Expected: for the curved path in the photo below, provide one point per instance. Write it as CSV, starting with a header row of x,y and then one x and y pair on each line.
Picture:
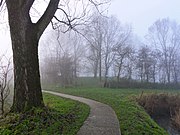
x,y
102,119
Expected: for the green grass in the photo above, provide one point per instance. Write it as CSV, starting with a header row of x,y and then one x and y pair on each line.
x,y
60,117
133,118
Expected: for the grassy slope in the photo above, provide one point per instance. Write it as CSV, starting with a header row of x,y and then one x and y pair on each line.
x,y
62,116
133,119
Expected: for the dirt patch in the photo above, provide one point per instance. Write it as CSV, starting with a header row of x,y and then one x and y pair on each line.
x,y
163,108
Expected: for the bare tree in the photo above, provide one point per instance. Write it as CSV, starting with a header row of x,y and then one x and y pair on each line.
x,y
165,35
176,69
93,59
95,35
123,48
63,46
130,64
25,35
104,37
50,70
110,39
4,81
146,64
66,70
78,51
72,51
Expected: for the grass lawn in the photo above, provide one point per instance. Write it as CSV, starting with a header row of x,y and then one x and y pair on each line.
x,y
133,118
60,117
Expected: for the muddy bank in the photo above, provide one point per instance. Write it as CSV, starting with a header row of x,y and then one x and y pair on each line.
x,y
164,109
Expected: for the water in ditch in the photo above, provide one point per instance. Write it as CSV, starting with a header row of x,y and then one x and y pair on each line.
x,y
165,122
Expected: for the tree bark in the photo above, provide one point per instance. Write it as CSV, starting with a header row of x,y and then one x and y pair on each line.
x,y
27,87
2,103
25,36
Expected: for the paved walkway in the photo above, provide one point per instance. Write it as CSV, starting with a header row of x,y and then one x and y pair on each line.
x,y
102,119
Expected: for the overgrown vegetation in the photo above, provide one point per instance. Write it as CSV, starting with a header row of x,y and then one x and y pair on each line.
x,y
162,105
133,118
60,116
176,119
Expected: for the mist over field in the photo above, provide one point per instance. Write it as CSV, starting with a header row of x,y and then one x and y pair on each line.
x,y
62,62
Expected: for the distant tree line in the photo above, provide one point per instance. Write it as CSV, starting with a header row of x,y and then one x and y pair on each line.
x,y
111,52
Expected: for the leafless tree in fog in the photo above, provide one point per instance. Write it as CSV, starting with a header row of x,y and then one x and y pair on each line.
x,y
145,64
66,70
110,39
123,48
95,35
63,46
165,35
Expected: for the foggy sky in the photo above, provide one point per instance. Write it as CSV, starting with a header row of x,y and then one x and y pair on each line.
x,y
139,13
143,13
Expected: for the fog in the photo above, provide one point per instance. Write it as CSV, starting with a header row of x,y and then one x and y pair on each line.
x,y
139,13
87,48
142,13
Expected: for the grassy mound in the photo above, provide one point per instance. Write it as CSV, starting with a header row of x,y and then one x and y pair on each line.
x,y
132,117
61,116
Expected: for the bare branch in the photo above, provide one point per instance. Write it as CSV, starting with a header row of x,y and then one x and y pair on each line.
x,y
46,17
1,2
29,4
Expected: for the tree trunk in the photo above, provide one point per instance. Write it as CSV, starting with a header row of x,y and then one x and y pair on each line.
x,y
118,75
119,69
95,68
2,103
169,74
2,107
106,77
27,87
147,77
26,75
154,74
100,57
100,70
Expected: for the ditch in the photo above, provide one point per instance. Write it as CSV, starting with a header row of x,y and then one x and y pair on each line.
x,y
164,109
